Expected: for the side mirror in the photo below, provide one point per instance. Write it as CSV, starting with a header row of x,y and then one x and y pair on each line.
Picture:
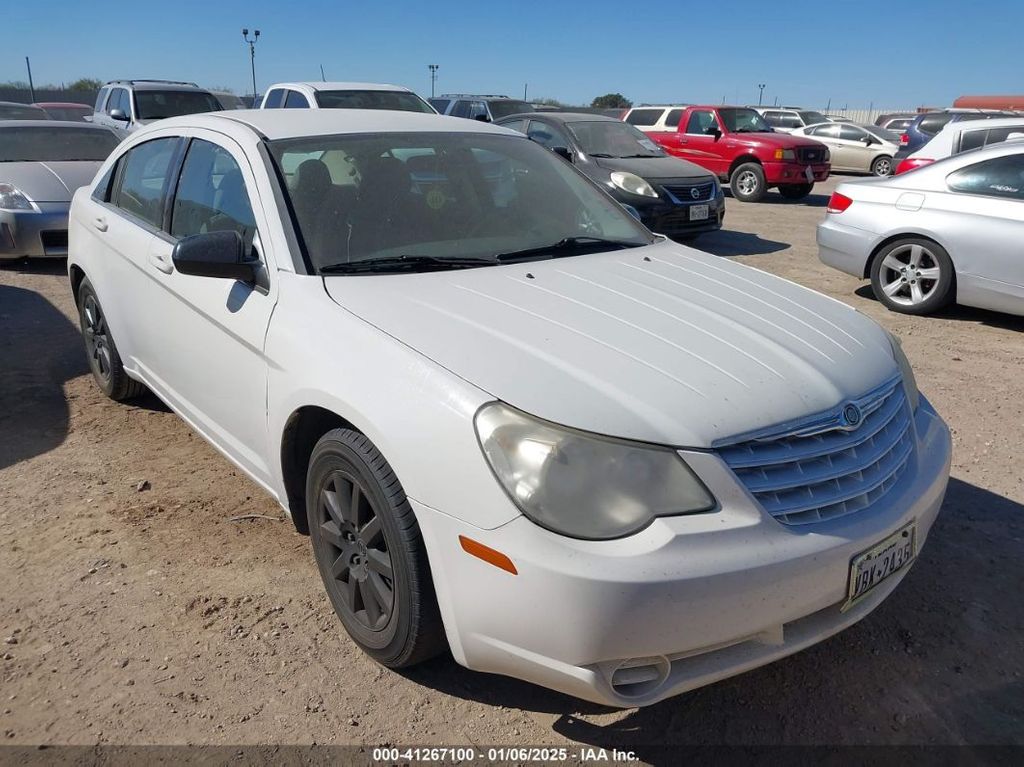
x,y
215,254
118,114
564,152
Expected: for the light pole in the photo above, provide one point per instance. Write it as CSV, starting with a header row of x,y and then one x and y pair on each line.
x,y
760,94
252,58
433,77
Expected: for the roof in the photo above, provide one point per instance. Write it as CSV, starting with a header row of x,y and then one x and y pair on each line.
x,y
1001,122
52,124
61,104
157,85
317,85
660,106
567,117
19,104
297,123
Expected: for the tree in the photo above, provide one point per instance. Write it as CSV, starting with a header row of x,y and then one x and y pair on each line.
x,y
611,101
86,84
549,102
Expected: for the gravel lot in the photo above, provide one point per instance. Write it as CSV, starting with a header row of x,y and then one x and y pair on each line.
x,y
136,610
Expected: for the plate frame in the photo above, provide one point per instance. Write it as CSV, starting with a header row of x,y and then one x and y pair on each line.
x,y
874,550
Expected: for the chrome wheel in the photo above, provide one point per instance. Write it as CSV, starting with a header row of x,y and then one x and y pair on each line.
x,y
910,274
747,182
97,339
362,567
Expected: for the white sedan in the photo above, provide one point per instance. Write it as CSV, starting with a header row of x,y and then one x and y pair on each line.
x,y
512,420
949,231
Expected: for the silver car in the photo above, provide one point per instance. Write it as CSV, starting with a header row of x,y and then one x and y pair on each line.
x,y
855,148
42,164
947,232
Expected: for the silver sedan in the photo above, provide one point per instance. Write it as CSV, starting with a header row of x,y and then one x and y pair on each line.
x,y
42,163
947,232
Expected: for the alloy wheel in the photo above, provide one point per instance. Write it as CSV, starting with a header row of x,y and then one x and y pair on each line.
x,y
746,182
883,167
362,567
910,274
97,339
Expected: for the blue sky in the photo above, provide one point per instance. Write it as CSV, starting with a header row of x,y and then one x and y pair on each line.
x,y
896,53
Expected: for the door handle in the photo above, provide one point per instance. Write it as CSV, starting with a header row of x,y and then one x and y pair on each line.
x,y
100,223
162,261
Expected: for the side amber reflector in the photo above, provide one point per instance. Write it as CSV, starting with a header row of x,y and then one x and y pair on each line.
x,y
487,554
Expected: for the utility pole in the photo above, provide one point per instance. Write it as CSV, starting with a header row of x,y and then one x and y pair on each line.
x,y
760,93
525,86
433,77
323,77
31,86
252,58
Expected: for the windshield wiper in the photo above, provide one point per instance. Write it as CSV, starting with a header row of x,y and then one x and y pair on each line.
x,y
567,247
601,154
406,263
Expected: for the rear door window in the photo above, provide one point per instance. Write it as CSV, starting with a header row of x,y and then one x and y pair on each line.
x,y
644,117
672,118
141,186
274,99
932,124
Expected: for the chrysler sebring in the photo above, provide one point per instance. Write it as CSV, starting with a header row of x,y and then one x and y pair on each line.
x,y
513,421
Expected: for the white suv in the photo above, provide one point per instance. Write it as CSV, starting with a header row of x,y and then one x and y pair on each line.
x,y
323,95
655,119
511,419
789,119
127,105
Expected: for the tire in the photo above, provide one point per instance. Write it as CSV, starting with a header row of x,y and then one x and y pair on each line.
x,y
795,191
104,361
913,276
881,166
373,562
747,182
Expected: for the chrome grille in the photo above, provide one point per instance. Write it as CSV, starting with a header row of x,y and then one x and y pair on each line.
x,y
811,154
684,193
819,468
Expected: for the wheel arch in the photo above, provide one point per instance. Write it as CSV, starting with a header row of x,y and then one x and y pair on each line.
x,y
303,429
910,235
743,160
76,274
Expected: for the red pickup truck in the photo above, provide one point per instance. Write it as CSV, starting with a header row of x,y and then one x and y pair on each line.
x,y
740,147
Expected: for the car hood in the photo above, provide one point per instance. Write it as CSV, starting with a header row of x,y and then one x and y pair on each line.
x,y
49,181
662,344
654,168
774,139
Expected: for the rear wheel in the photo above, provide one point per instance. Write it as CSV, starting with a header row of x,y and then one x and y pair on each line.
x,y
795,191
747,182
370,552
913,276
881,166
104,361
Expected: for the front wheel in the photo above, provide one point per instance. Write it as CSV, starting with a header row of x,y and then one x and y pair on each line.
x,y
370,552
795,191
913,276
747,182
881,166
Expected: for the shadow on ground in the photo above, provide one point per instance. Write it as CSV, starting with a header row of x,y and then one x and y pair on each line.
x,y
964,313
725,242
774,198
901,672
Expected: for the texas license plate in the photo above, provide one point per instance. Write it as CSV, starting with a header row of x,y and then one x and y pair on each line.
x,y
809,174
699,212
869,568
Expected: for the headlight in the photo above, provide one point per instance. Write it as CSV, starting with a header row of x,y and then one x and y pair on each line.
x,y
12,198
909,382
786,155
632,183
584,485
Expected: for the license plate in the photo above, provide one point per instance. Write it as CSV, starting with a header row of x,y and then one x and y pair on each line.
x,y
871,567
809,174
699,212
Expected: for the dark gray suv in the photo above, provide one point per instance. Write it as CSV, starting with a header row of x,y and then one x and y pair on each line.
x,y
487,108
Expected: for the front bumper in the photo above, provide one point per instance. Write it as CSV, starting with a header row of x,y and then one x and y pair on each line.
x,y
696,598
673,218
844,247
794,173
42,233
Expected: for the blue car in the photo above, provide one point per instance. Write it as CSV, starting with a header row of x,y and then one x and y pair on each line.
x,y
926,125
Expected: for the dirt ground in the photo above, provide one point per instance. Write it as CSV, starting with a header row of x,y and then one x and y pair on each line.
x,y
151,616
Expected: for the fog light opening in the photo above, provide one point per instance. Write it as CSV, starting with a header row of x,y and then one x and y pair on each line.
x,y
636,677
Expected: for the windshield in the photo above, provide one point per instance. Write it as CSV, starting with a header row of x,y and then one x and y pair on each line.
x,y
611,138
399,101
74,114
156,105
743,121
451,196
45,144
505,107
18,112
813,118
882,133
